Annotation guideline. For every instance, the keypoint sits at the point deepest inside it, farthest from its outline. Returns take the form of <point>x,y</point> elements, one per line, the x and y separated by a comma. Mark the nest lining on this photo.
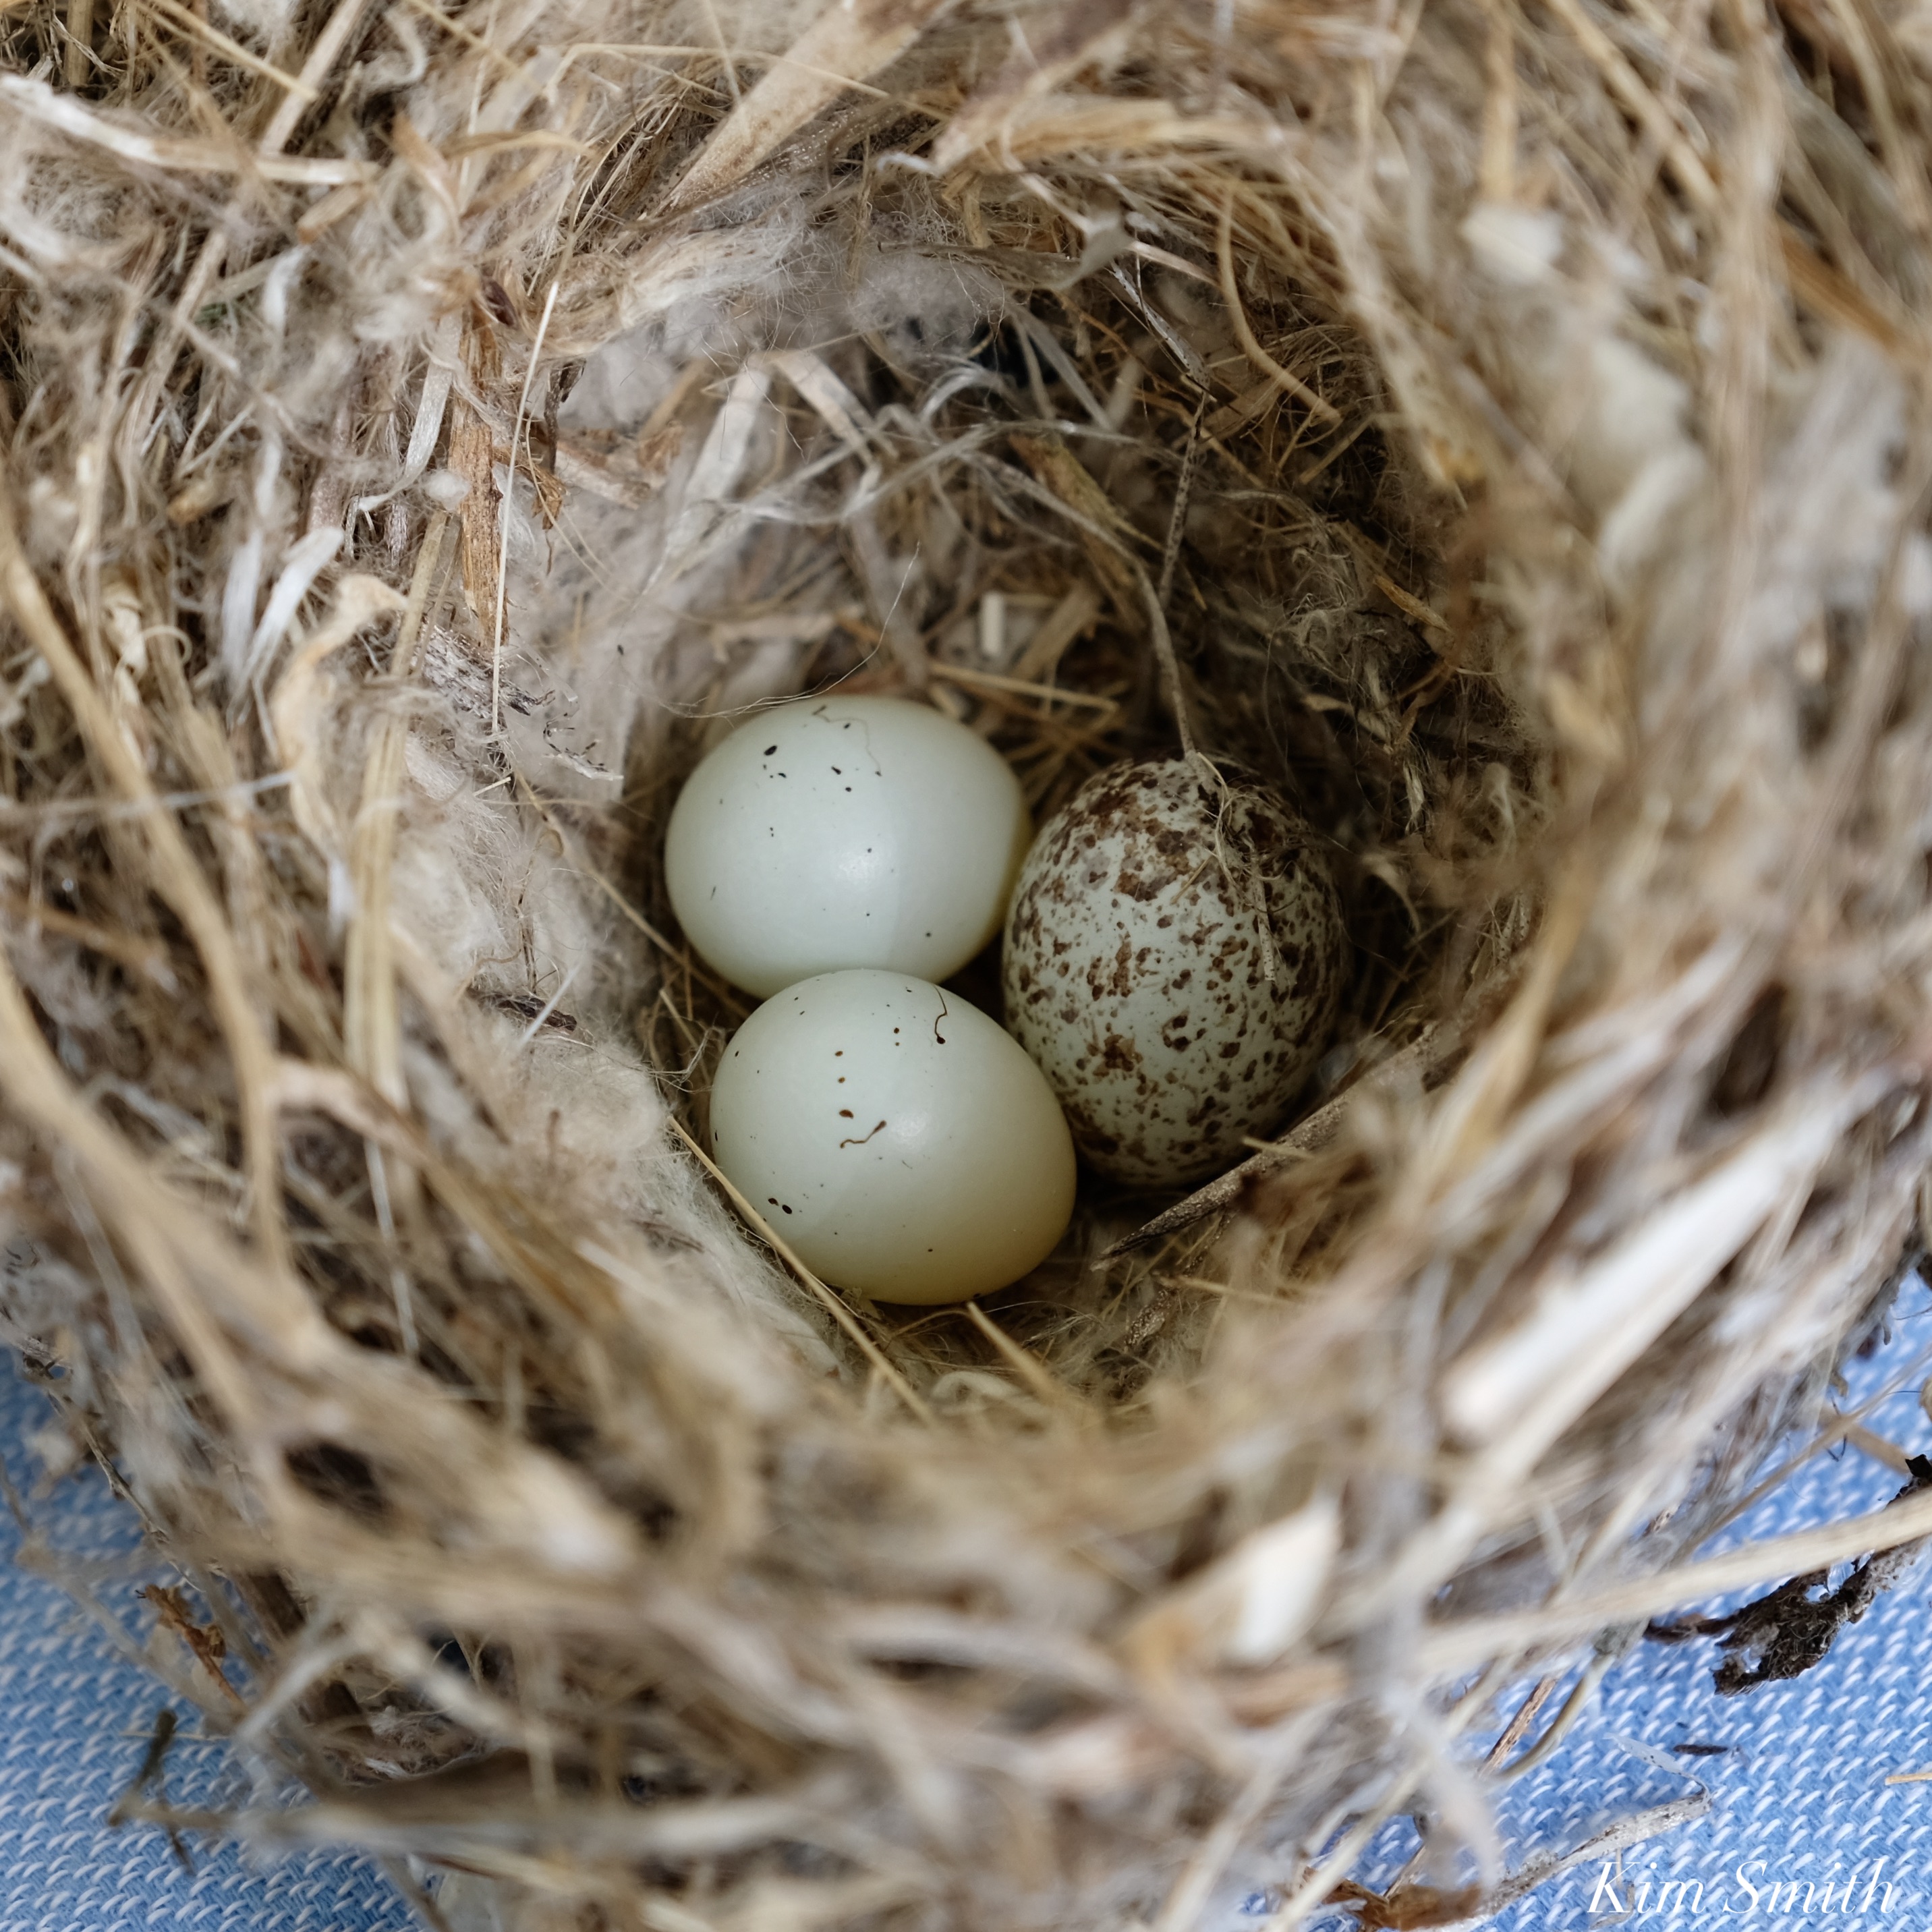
<point>1508,417</point>
<point>1286,676</point>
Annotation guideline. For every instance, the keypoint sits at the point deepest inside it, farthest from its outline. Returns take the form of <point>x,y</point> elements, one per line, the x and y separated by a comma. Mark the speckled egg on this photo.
<point>1174,960</point>
<point>839,832</point>
<point>906,1148</point>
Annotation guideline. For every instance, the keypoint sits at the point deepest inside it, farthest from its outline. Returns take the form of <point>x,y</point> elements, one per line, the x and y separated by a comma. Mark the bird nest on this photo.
<point>1500,427</point>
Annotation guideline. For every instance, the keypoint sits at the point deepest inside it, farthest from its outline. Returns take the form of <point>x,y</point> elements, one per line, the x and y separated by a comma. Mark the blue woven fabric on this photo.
<point>1800,1801</point>
<point>74,1722</point>
<point>1799,1796</point>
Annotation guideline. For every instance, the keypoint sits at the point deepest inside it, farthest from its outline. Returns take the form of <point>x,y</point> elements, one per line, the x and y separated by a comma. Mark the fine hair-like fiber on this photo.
<point>1500,425</point>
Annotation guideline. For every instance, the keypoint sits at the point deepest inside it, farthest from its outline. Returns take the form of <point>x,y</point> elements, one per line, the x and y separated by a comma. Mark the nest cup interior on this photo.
<point>1004,477</point>
<point>429,431</point>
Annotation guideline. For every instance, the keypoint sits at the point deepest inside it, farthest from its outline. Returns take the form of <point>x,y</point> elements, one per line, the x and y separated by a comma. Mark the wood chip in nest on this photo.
<point>1784,1633</point>
<point>451,665</point>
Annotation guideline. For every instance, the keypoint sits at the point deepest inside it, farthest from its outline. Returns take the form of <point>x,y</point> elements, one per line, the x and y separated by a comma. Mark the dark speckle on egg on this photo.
<point>1200,926</point>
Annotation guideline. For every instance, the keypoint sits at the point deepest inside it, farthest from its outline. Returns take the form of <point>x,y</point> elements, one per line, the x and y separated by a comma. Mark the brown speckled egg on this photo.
<point>1173,959</point>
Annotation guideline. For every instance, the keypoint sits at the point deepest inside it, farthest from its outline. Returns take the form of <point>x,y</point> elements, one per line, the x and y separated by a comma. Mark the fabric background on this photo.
<point>75,1719</point>
<point>1799,1796</point>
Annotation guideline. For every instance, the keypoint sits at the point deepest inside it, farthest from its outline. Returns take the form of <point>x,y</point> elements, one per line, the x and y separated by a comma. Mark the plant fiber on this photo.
<point>1502,427</point>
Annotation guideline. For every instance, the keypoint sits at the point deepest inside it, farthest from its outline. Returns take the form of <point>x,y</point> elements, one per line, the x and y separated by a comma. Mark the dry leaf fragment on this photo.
<point>206,1640</point>
<point>1408,1908</point>
<point>1788,1630</point>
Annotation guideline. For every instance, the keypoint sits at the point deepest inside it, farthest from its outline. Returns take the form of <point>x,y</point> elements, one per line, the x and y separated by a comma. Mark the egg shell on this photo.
<point>840,832</point>
<point>1137,969</point>
<point>897,1138</point>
